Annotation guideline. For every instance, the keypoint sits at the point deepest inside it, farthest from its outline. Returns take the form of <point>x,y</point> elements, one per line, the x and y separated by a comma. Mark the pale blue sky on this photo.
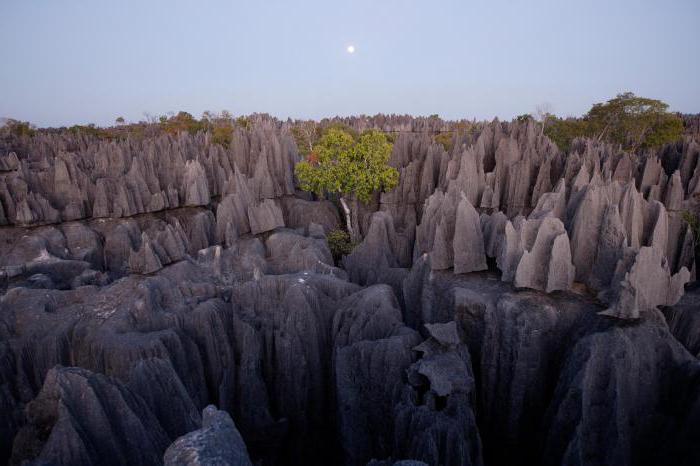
<point>81,61</point>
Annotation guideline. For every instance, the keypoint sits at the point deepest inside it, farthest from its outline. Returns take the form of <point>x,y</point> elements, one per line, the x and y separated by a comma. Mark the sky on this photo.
<point>66,62</point>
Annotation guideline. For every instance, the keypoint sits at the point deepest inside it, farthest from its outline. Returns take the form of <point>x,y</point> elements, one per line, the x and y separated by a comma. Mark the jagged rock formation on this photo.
<point>68,178</point>
<point>502,308</point>
<point>217,442</point>
<point>83,418</point>
<point>684,322</point>
<point>435,416</point>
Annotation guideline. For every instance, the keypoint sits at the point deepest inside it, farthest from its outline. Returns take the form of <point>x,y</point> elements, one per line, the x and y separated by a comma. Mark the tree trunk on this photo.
<point>348,217</point>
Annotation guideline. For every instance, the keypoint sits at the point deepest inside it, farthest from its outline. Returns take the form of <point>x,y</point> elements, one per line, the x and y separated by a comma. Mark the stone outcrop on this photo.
<point>642,282</point>
<point>468,240</point>
<point>217,442</point>
<point>122,178</point>
<point>435,418</point>
<point>81,417</point>
<point>502,306</point>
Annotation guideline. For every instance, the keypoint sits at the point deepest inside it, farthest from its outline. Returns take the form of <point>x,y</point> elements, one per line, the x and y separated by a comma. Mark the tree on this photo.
<point>220,125</point>
<point>351,168</point>
<point>634,122</point>
<point>630,121</point>
<point>305,134</point>
<point>182,121</point>
<point>120,120</point>
<point>17,127</point>
<point>564,130</point>
<point>446,139</point>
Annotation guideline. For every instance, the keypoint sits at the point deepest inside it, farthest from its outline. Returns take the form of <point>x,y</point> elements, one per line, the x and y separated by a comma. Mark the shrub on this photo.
<point>244,122</point>
<point>339,243</point>
<point>222,135</point>
<point>446,140</point>
<point>182,121</point>
<point>19,128</point>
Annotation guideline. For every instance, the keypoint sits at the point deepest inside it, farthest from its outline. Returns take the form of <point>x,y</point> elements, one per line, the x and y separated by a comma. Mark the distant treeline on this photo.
<point>628,120</point>
<point>635,123</point>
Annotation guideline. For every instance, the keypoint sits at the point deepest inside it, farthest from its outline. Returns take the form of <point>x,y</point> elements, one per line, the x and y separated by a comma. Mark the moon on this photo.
<point>351,49</point>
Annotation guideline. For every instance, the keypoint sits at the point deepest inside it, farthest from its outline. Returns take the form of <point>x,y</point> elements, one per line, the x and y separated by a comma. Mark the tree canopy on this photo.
<point>340,164</point>
<point>352,168</point>
<point>631,121</point>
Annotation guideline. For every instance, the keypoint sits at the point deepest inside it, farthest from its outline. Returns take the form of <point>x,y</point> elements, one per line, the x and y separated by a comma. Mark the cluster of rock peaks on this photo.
<point>167,300</point>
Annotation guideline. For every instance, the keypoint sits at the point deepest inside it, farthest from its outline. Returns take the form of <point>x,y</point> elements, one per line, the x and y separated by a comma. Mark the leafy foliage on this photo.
<point>182,121</point>
<point>221,127</point>
<point>339,243</point>
<point>18,128</point>
<point>634,122</point>
<point>564,130</point>
<point>244,122</point>
<point>631,121</point>
<point>222,135</point>
<point>447,140</point>
<point>92,130</point>
<point>340,164</point>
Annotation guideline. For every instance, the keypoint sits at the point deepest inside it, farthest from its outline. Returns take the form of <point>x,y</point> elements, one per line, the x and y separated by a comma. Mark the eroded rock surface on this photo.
<point>218,442</point>
<point>501,308</point>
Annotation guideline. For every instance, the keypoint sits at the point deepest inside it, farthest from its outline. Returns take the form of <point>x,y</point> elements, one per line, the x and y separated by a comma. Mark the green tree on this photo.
<point>18,128</point>
<point>351,168</point>
<point>220,125</point>
<point>120,120</point>
<point>222,134</point>
<point>244,122</point>
<point>564,130</point>
<point>446,139</point>
<point>182,121</point>
<point>631,121</point>
<point>634,122</point>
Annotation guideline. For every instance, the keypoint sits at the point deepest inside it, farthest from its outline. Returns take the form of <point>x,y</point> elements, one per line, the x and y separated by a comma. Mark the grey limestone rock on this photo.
<point>439,425</point>
<point>265,216</point>
<point>75,410</point>
<point>468,241</point>
<point>646,284</point>
<point>300,213</point>
<point>546,265</point>
<point>218,443</point>
<point>375,256</point>
<point>607,412</point>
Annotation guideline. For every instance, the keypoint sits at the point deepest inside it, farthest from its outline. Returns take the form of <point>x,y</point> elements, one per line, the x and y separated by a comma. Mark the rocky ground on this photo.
<point>167,300</point>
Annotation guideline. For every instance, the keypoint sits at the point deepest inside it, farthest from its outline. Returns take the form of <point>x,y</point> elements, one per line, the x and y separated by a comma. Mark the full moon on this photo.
<point>351,49</point>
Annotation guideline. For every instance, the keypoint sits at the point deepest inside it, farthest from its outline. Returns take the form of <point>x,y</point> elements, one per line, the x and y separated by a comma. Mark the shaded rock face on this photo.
<point>435,418</point>
<point>167,300</point>
<point>684,321</point>
<point>603,412</point>
<point>217,442</point>
<point>524,351</point>
<point>67,178</point>
<point>83,418</point>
